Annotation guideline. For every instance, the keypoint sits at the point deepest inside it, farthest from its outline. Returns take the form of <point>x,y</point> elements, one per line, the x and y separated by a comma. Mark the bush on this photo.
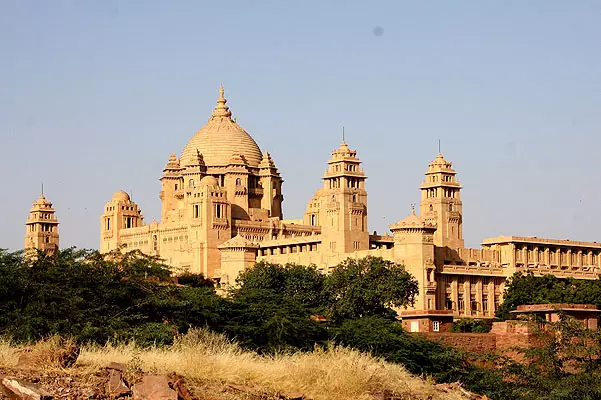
<point>470,325</point>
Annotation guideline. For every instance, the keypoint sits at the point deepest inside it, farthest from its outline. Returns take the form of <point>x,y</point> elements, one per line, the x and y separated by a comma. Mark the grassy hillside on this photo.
<point>210,362</point>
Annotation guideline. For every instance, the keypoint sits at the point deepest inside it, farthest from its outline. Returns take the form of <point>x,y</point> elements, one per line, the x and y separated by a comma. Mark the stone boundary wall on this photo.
<point>503,339</point>
<point>470,342</point>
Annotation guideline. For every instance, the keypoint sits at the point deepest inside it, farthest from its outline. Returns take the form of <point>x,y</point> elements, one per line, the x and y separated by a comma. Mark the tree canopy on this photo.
<point>525,288</point>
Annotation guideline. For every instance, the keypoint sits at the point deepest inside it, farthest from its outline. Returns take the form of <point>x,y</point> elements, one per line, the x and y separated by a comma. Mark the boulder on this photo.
<point>116,386</point>
<point>154,387</point>
<point>22,390</point>
<point>117,366</point>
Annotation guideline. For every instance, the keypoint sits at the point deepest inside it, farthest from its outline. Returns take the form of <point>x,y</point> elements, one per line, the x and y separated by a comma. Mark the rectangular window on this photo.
<point>196,211</point>
<point>448,302</point>
<point>485,303</point>
<point>436,326</point>
<point>460,303</point>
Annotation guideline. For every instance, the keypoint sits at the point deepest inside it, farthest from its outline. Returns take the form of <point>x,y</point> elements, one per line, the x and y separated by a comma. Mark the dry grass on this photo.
<point>334,374</point>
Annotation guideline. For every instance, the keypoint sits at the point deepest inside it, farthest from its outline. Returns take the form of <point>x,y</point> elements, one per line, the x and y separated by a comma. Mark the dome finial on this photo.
<point>221,110</point>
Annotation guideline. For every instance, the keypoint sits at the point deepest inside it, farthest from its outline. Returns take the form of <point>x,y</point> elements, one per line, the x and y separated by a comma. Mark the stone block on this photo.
<point>22,390</point>
<point>154,387</point>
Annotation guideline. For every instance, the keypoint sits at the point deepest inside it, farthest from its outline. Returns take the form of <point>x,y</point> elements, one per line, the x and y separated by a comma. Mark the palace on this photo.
<point>222,212</point>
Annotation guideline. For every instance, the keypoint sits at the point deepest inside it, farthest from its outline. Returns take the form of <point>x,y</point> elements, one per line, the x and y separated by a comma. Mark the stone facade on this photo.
<point>222,211</point>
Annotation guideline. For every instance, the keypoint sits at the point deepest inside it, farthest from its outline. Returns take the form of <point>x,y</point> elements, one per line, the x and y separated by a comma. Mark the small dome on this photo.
<point>208,181</point>
<point>121,196</point>
<point>220,138</point>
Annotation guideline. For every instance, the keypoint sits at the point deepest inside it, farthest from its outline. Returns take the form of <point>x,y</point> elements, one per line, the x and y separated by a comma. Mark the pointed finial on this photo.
<point>221,110</point>
<point>412,208</point>
<point>342,133</point>
<point>42,188</point>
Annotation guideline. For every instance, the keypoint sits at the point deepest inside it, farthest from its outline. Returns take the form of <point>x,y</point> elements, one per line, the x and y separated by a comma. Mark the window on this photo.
<point>238,182</point>
<point>485,303</point>
<point>431,208</point>
<point>191,183</point>
<point>108,224</point>
<point>313,220</point>
<point>450,206</point>
<point>448,303</point>
<point>435,326</point>
<point>196,211</point>
<point>460,303</point>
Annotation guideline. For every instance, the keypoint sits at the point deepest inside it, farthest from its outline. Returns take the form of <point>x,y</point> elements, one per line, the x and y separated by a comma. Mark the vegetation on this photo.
<point>471,325</point>
<point>210,362</point>
<point>103,301</point>
<point>525,288</point>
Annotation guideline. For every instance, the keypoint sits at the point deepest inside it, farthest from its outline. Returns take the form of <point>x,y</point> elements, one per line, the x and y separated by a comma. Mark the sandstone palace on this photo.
<point>222,212</point>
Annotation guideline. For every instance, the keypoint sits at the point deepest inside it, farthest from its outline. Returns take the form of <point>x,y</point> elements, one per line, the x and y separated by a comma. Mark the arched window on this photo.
<point>450,206</point>
<point>238,182</point>
<point>431,208</point>
<point>191,183</point>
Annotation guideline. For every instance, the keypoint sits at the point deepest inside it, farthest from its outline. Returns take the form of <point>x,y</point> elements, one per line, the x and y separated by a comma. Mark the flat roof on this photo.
<point>536,240</point>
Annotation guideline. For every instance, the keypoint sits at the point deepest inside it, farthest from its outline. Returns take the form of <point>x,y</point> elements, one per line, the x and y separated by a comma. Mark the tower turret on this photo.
<point>271,183</point>
<point>172,191</point>
<point>119,213</point>
<point>340,207</point>
<point>414,248</point>
<point>41,227</point>
<point>441,203</point>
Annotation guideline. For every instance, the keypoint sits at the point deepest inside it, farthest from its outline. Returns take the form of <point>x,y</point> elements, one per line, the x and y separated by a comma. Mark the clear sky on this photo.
<point>95,95</point>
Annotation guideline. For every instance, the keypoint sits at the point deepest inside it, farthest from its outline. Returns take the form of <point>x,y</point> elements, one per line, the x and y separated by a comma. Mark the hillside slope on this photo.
<point>216,368</point>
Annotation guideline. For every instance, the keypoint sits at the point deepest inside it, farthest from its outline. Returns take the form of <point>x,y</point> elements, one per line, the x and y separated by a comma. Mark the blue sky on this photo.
<point>95,95</point>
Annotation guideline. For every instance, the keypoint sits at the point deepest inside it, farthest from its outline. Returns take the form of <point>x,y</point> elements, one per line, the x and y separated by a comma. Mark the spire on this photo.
<point>412,208</point>
<point>221,110</point>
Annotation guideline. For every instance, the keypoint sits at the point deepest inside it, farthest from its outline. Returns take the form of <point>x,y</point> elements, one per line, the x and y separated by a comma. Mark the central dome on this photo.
<point>220,139</point>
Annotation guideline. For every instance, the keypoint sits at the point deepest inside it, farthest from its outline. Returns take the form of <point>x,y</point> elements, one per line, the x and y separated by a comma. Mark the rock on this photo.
<point>154,388</point>
<point>23,390</point>
<point>116,387</point>
<point>178,384</point>
<point>117,366</point>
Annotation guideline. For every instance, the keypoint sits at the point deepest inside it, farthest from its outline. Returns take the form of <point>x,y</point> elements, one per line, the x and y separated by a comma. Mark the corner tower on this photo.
<point>441,203</point>
<point>340,207</point>
<point>41,227</point>
<point>119,213</point>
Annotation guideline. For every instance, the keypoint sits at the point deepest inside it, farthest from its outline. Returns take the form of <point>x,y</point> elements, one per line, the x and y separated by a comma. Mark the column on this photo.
<point>454,296</point>
<point>467,297</point>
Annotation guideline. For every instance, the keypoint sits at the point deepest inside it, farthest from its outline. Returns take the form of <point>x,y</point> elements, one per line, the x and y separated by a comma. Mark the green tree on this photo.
<point>368,286</point>
<point>298,283</point>
<point>525,288</point>
<point>564,364</point>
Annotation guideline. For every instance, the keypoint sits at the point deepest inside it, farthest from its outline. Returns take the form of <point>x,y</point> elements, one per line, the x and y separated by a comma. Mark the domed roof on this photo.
<point>208,181</point>
<point>120,195</point>
<point>220,139</point>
